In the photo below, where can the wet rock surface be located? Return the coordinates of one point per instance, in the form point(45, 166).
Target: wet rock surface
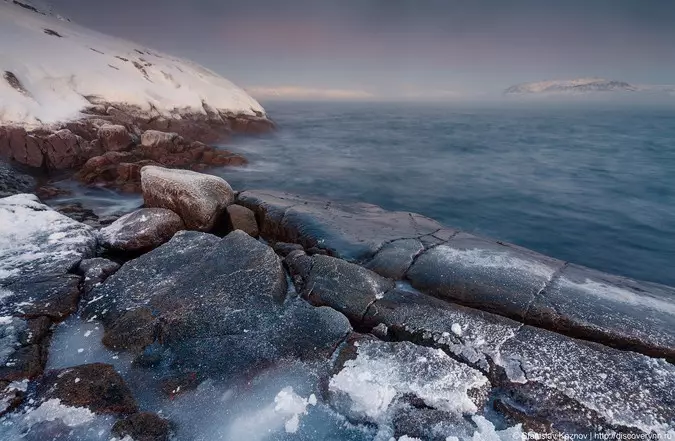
point(354, 232)
point(200, 200)
point(141, 230)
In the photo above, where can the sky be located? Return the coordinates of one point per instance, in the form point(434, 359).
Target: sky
point(446, 49)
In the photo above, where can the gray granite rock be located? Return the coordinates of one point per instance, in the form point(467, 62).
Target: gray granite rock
point(141, 230)
point(488, 275)
point(354, 232)
point(215, 305)
point(609, 309)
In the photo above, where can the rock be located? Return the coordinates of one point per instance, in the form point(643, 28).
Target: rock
point(394, 258)
point(95, 271)
point(468, 335)
point(354, 232)
point(544, 379)
point(53, 296)
point(241, 218)
point(157, 139)
point(216, 305)
point(375, 381)
point(620, 312)
point(95, 386)
point(345, 287)
point(17, 145)
point(37, 242)
point(23, 347)
point(114, 138)
point(13, 182)
point(11, 395)
point(64, 150)
point(143, 426)
point(284, 249)
point(491, 276)
point(141, 230)
point(199, 199)
point(575, 386)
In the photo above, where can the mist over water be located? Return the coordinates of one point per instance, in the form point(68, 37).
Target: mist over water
point(591, 184)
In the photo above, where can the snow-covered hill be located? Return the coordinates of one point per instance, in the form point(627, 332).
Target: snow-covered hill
point(51, 69)
point(576, 86)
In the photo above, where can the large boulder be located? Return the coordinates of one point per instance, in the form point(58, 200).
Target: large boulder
point(199, 199)
point(216, 306)
point(97, 386)
point(141, 230)
point(354, 232)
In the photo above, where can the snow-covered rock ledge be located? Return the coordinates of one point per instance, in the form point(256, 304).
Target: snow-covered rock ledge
point(61, 85)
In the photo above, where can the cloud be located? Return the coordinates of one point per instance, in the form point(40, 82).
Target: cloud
point(307, 93)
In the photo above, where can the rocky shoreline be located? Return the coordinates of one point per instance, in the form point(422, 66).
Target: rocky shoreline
point(411, 329)
point(110, 143)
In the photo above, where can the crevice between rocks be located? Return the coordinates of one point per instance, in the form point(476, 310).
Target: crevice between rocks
point(556, 274)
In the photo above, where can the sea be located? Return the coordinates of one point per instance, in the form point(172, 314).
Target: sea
point(593, 184)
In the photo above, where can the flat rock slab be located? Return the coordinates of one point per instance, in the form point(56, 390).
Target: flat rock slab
point(547, 379)
point(580, 386)
point(36, 241)
point(141, 230)
point(395, 258)
point(216, 305)
point(609, 309)
point(354, 232)
point(487, 275)
point(199, 199)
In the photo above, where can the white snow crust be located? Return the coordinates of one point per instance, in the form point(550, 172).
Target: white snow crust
point(63, 67)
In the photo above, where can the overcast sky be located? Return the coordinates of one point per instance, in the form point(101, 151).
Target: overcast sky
point(400, 46)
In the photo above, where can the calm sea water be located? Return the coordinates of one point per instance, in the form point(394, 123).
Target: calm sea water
point(592, 185)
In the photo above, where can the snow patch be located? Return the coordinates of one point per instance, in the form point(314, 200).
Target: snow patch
point(384, 372)
point(52, 410)
point(65, 70)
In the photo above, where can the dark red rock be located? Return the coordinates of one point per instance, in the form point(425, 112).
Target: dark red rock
point(114, 138)
point(97, 387)
point(143, 426)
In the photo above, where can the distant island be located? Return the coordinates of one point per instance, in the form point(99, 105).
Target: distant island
point(585, 86)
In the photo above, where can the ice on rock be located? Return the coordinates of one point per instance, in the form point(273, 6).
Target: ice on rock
point(369, 386)
point(36, 240)
point(52, 410)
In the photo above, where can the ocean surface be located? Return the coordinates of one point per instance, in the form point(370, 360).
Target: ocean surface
point(591, 184)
